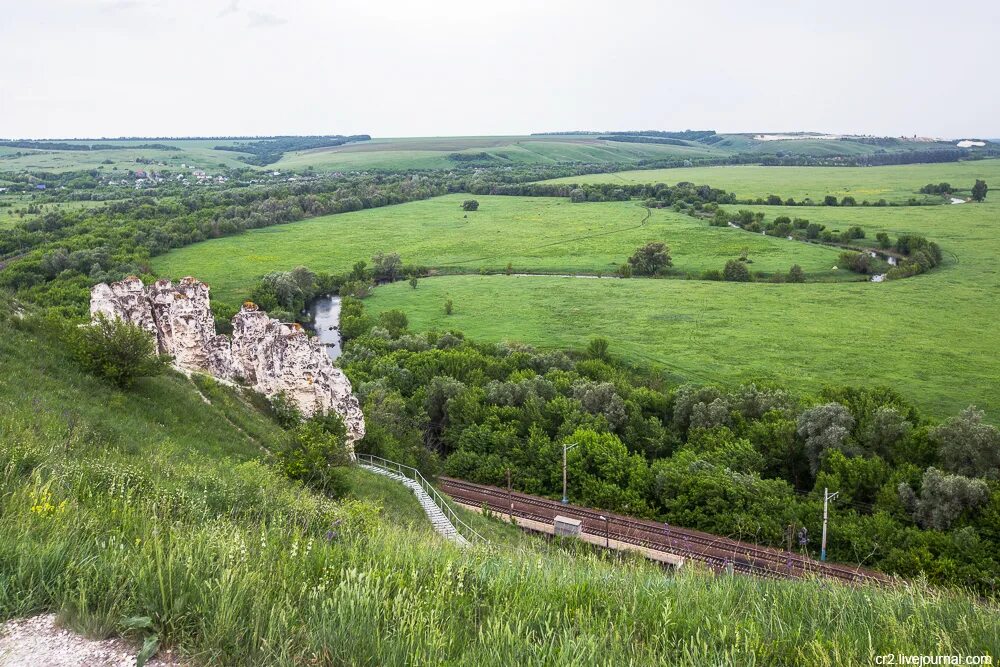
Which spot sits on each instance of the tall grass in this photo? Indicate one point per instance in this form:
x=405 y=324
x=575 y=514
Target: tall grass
x=153 y=504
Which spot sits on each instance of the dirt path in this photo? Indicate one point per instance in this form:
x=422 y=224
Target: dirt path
x=37 y=641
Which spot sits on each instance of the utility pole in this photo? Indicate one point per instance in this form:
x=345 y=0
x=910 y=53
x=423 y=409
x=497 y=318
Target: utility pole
x=510 y=498
x=827 y=497
x=566 y=447
x=607 y=531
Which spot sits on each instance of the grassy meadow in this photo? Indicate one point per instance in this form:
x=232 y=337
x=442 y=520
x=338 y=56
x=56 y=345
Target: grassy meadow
x=895 y=183
x=534 y=234
x=160 y=503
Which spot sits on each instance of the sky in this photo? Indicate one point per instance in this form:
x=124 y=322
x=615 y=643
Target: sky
x=389 y=68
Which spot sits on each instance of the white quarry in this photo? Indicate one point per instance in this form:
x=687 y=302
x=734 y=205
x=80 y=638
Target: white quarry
x=263 y=354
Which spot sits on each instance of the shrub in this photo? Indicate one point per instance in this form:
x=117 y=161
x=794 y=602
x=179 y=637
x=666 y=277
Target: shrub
x=449 y=306
x=796 y=274
x=598 y=348
x=394 y=321
x=470 y=205
x=116 y=350
x=736 y=271
x=314 y=452
x=284 y=410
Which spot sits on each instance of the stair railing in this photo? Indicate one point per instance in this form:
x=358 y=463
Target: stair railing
x=410 y=472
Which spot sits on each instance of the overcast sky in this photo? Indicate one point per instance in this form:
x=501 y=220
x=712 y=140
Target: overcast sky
x=92 y=68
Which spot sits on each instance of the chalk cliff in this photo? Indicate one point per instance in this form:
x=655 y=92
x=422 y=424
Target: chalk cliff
x=265 y=354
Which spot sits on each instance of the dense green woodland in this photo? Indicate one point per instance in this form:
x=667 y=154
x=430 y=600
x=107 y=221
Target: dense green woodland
x=916 y=496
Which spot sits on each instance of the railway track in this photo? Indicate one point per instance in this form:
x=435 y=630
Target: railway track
x=720 y=553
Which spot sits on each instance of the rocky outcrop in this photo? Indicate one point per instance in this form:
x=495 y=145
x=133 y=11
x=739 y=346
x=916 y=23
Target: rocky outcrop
x=264 y=354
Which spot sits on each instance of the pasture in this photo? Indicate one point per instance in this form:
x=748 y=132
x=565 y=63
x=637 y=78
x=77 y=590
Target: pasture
x=930 y=336
x=895 y=183
x=533 y=234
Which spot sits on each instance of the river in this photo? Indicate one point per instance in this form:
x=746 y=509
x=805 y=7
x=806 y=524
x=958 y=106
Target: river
x=325 y=313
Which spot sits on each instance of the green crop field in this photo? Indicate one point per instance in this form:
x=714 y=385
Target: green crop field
x=931 y=336
x=534 y=234
x=434 y=152
x=895 y=183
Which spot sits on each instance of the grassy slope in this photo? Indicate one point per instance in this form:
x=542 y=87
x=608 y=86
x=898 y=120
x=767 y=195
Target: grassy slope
x=432 y=152
x=150 y=503
x=895 y=183
x=534 y=234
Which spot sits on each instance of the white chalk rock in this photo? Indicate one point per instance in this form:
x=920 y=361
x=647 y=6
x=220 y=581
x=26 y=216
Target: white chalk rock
x=265 y=354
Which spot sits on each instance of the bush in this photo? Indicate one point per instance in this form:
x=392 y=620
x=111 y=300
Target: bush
x=314 y=452
x=284 y=411
x=394 y=321
x=796 y=274
x=470 y=205
x=598 y=348
x=449 y=306
x=736 y=271
x=116 y=350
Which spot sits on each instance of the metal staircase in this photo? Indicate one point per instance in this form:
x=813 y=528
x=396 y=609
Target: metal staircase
x=441 y=514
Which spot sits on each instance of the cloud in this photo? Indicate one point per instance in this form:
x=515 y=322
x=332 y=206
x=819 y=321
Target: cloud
x=265 y=20
x=232 y=8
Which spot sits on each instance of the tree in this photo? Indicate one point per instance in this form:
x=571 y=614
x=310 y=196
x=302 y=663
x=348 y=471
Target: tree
x=736 y=271
x=979 y=190
x=470 y=205
x=967 y=446
x=387 y=266
x=829 y=200
x=796 y=274
x=394 y=321
x=116 y=350
x=943 y=498
x=825 y=427
x=651 y=259
x=883 y=240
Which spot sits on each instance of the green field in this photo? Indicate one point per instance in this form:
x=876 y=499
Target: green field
x=193 y=153
x=929 y=336
x=895 y=183
x=534 y=234
x=9 y=215
x=433 y=152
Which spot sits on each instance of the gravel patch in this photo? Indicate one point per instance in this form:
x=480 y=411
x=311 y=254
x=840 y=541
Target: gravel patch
x=37 y=641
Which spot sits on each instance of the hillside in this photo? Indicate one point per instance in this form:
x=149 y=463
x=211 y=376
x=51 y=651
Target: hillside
x=160 y=502
x=599 y=150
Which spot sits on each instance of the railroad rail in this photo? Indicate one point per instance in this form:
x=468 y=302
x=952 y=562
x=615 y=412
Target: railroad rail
x=720 y=553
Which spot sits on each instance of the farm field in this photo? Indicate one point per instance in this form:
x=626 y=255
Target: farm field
x=893 y=183
x=534 y=234
x=434 y=152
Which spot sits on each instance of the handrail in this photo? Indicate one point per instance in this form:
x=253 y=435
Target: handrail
x=393 y=466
